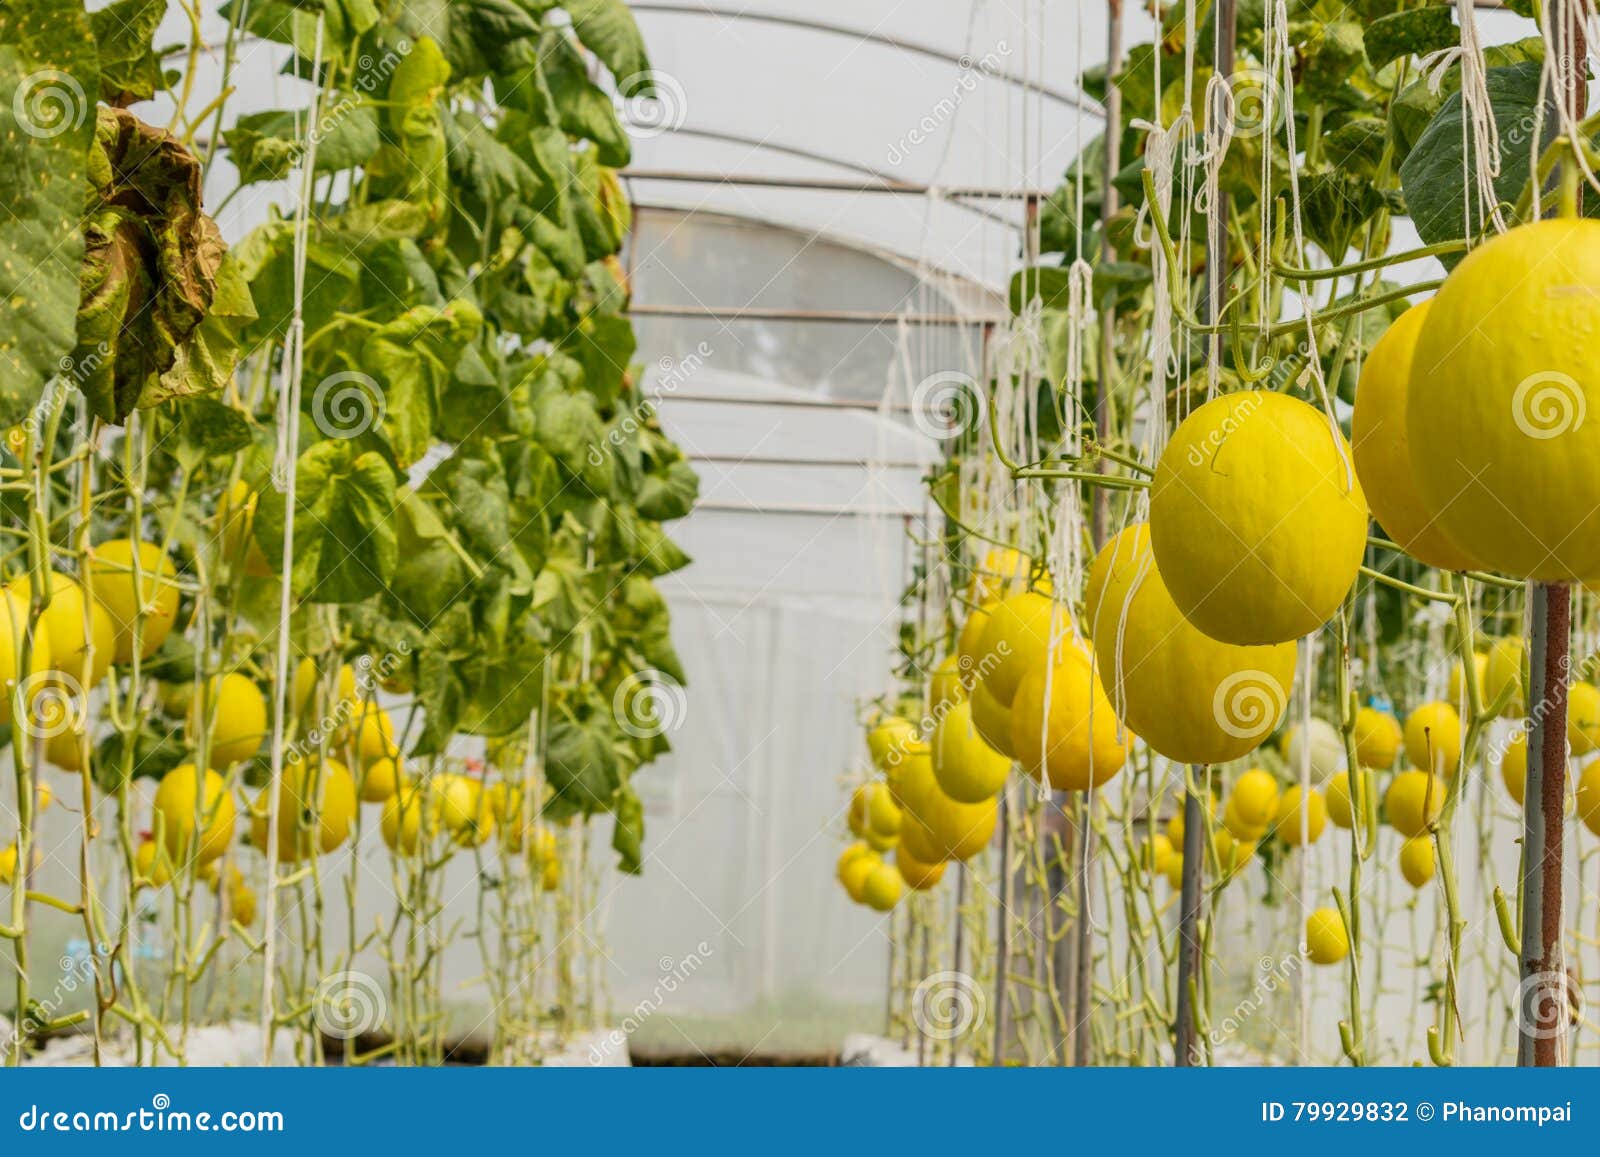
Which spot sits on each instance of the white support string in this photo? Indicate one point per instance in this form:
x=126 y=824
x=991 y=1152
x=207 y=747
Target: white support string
x=1480 y=136
x=284 y=476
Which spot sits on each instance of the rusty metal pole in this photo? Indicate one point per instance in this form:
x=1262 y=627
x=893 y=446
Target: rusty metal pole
x=1543 y=1012
x=1543 y=994
x=1190 y=899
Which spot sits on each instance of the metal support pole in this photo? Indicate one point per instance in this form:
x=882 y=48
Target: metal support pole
x=1189 y=900
x=1002 y=960
x=1543 y=1012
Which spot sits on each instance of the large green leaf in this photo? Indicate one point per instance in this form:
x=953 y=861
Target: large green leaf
x=627 y=832
x=1412 y=33
x=415 y=89
x=582 y=767
x=1418 y=103
x=266 y=146
x=410 y=358
x=48 y=84
x=344 y=533
x=586 y=111
x=130 y=70
x=608 y=29
x=1432 y=176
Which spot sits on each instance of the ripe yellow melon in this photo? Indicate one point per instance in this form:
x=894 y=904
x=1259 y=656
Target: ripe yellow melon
x=1502 y=414
x=1583 y=718
x=1377 y=738
x=1433 y=737
x=155 y=592
x=1289 y=813
x=1416 y=860
x=409 y=819
x=1413 y=801
x=970 y=641
x=380 y=779
x=1017 y=638
x=1155 y=853
x=918 y=843
x=14 y=616
x=890 y=740
x=316 y=807
x=1502 y=678
x=992 y=720
x=63 y=623
x=177 y=809
x=337 y=715
x=1081 y=745
x=1002 y=572
x=1514 y=765
x=1188 y=696
x=945 y=688
x=918 y=875
x=1382 y=447
x=967 y=768
x=1254 y=799
x=1257 y=518
x=854 y=875
x=1588 y=797
x=1326 y=939
x=945 y=829
x=882 y=888
x=236 y=713
x=1342 y=802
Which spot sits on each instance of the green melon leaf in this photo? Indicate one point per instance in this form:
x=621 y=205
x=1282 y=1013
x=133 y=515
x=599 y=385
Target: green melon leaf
x=345 y=546
x=49 y=81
